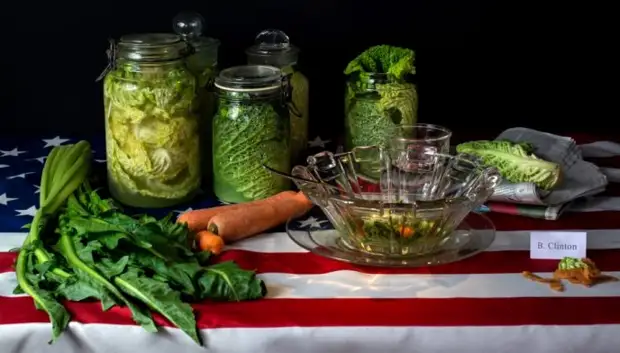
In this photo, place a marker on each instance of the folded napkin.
(579, 178)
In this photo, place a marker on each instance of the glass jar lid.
(249, 78)
(273, 46)
(150, 47)
(190, 26)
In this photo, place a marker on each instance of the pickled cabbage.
(373, 108)
(371, 117)
(246, 136)
(151, 133)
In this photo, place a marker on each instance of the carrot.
(208, 241)
(259, 216)
(406, 232)
(198, 220)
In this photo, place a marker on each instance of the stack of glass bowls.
(403, 198)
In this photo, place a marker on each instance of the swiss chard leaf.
(161, 298)
(166, 247)
(81, 287)
(95, 279)
(44, 298)
(228, 282)
(181, 275)
(110, 268)
(138, 261)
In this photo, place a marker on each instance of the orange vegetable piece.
(208, 241)
(407, 232)
(259, 216)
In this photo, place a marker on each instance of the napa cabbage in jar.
(152, 142)
(202, 63)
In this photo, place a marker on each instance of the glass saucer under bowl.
(314, 232)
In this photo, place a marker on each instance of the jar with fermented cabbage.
(272, 47)
(202, 62)
(380, 95)
(152, 141)
(250, 130)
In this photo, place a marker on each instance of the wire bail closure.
(111, 53)
(287, 93)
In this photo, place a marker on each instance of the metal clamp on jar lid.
(190, 26)
(150, 47)
(272, 47)
(145, 48)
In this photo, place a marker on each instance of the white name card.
(557, 245)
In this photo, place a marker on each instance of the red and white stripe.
(481, 304)
(337, 307)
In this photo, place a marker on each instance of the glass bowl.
(394, 202)
(313, 232)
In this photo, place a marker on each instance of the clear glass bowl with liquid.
(412, 204)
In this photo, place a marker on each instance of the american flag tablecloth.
(481, 304)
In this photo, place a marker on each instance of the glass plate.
(314, 232)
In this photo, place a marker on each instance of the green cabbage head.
(374, 104)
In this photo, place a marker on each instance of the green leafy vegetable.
(83, 247)
(151, 134)
(379, 94)
(224, 281)
(158, 296)
(247, 134)
(385, 59)
(515, 161)
(65, 169)
(571, 263)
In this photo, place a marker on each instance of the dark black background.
(482, 67)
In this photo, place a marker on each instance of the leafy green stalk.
(65, 247)
(46, 176)
(58, 199)
(161, 298)
(227, 282)
(98, 252)
(27, 282)
(63, 182)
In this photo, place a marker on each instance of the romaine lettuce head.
(516, 162)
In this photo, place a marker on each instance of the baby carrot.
(198, 220)
(208, 241)
(259, 216)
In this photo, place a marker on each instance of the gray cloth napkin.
(580, 178)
